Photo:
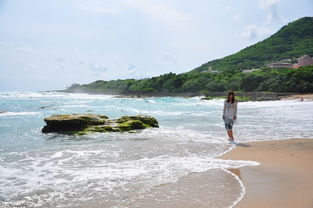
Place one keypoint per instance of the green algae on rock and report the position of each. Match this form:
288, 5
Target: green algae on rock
147, 120
89, 123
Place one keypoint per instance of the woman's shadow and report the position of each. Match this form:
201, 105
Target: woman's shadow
242, 145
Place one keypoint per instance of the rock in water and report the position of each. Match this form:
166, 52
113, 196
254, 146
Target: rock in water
73, 122
147, 120
88, 123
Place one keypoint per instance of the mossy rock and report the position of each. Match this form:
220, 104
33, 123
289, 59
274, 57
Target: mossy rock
72, 122
100, 129
81, 124
131, 125
148, 120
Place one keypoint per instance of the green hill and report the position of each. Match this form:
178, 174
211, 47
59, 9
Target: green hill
290, 42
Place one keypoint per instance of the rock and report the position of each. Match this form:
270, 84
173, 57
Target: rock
131, 125
148, 120
88, 123
73, 122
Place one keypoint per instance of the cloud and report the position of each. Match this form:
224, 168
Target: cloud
273, 15
169, 59
25, 49
132, 68
60, 59
268, 3
32, 66
228, 8
237, 17
4, 44
270, 6
62, 67
159, 11
252, 32
97, 67
96, 9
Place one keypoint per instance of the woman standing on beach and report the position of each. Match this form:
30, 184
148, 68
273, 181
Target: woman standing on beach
230, 115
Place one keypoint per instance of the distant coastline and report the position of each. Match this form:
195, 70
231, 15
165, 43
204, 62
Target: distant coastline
253, 96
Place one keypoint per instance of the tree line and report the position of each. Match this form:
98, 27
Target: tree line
265, 79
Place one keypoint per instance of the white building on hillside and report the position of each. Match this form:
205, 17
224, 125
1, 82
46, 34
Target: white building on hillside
280, 65
305, 60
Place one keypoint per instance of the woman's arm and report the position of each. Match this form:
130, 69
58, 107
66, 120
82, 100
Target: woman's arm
224, 110
235, 110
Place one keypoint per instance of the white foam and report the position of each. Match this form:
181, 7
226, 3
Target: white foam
70, 172
243, 189
77, 106
18, 113
27, 95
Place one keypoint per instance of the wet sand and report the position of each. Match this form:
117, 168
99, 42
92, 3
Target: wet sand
284, 178
214, 188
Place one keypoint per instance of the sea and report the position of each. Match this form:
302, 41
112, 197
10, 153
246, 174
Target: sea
159, 167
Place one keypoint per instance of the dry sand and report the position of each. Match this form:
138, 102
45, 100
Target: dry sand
284, 178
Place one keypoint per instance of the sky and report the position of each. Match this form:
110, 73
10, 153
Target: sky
51, 44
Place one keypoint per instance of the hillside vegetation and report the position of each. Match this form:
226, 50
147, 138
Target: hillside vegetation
290, 42
275, 80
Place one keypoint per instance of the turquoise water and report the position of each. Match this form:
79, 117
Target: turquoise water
50, 170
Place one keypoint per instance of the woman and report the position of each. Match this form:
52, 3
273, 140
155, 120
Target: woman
230, 115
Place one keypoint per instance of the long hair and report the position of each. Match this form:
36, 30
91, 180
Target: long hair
233, 99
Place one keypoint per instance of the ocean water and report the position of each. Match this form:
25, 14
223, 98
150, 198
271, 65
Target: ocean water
122, 169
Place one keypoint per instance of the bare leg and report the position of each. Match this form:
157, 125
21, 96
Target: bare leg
231, 135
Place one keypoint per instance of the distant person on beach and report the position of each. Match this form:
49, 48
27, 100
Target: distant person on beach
301, 99
230, 115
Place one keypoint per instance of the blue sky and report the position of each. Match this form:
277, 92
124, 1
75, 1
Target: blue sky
51, 44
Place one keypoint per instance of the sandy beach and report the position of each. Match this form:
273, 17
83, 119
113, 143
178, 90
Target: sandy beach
284, 178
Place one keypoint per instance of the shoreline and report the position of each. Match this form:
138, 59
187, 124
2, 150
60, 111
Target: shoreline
253, 96
284, 178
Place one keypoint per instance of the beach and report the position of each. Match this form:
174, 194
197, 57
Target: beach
175, 165
284, 178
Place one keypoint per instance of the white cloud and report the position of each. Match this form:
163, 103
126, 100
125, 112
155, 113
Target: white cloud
237, 17
63, 67
60, 59
228, 8
252, 32
32, 66
268, 3
169, 59
160, 11
4, 44
132, 68
25, 49
97, 67
96, 9
270, 6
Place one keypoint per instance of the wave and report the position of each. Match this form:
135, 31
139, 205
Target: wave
27, 95
72, 175
3, 114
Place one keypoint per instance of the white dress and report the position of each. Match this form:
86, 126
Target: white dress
229, 112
